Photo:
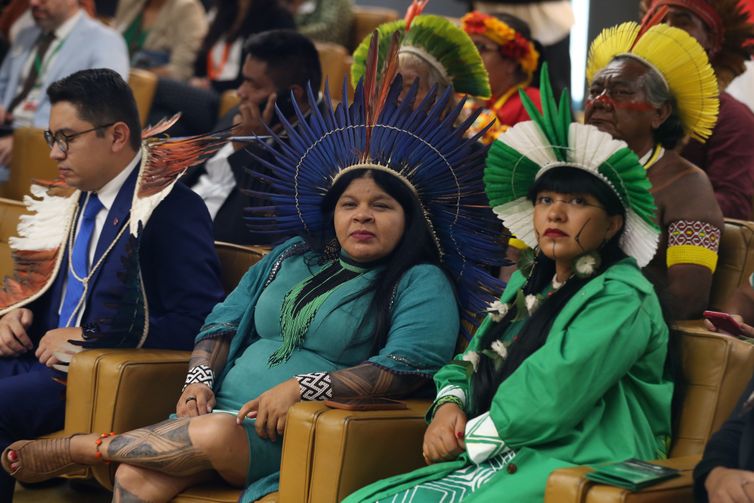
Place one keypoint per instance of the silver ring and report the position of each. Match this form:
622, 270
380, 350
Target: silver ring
190, 398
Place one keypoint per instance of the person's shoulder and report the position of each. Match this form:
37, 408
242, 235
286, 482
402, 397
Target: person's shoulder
734, 110
679, 169
93, 28
181, 205
426, 275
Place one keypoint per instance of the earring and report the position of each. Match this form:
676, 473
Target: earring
586, 265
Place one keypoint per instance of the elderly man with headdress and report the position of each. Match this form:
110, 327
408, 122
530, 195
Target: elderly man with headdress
722, 28
511, 59
650, 88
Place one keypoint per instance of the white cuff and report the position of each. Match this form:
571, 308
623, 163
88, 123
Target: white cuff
451, 390
482, 440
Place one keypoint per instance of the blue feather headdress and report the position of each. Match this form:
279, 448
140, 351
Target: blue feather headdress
422, 146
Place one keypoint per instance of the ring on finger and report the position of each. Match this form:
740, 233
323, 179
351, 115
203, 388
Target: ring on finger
190, 398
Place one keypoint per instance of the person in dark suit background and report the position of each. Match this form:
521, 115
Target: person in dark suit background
129, 270
279, 63
726, 471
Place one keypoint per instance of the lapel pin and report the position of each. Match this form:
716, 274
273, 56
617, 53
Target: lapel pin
116, 221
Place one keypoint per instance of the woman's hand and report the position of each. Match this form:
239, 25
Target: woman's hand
730, 486
443, 439
196, 400
270, 409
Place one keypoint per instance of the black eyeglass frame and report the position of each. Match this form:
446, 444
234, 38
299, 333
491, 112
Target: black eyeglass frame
62, 139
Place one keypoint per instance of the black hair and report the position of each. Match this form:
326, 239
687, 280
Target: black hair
291, 58
416, 246
100, 96
670, 133
226, 24
533, 335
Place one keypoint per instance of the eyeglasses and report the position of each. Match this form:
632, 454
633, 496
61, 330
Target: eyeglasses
62, 140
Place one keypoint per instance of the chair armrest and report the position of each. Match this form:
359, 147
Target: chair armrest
122, 389
330, 453
570, 485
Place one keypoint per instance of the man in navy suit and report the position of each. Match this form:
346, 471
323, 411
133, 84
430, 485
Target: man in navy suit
113, 287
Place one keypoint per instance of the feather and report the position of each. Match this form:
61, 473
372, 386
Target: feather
416, 8
649, 21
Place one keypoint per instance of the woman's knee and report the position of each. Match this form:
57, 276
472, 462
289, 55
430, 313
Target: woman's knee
130, 477
213, 430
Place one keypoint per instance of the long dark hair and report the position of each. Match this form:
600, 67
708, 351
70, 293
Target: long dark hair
533, 335
416, 246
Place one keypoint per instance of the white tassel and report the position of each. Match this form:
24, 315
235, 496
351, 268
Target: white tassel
473, 358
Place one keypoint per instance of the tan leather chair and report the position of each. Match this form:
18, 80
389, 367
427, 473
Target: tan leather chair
333, 59
31, 160
366, 19
122, 389
228, 100
143, 84
10, 211
716, 370
735, 263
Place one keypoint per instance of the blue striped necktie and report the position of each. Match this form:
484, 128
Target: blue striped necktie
79, 262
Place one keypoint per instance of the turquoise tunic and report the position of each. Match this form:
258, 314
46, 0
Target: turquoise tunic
423, 332
596, 391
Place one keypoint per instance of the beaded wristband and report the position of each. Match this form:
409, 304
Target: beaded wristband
446, 399
201, 374
314, 386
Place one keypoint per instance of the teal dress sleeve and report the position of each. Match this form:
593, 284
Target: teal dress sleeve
424, 326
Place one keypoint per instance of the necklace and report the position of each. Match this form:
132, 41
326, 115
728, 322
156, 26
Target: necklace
85, 280
556, 285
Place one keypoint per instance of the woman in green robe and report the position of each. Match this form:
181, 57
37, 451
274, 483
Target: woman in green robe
568, 368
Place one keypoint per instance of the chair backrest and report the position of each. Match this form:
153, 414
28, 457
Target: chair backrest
143, 84
228, 100
10, 211
333, 60
366, 19
235, 260
735, 263
716, 370
31, 160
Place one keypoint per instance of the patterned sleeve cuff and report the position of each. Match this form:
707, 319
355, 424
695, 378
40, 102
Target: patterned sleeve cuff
315, 386
201, 374
482, 440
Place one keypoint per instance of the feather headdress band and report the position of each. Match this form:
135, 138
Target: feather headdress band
529, 149
679, 60
731, 32
422, 146
436, 40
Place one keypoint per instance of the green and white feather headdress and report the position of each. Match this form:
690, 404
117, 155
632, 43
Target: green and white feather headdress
444, 46
550, 140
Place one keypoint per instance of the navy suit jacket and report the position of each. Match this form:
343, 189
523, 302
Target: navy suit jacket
179, 269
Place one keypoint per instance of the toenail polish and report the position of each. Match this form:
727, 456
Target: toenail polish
12, 455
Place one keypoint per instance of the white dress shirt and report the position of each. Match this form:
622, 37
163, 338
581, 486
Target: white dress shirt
216, 184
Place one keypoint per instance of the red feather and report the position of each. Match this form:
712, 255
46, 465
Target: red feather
416, 8
650, 20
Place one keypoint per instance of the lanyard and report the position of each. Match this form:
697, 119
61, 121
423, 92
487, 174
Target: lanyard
38, 62
214, 71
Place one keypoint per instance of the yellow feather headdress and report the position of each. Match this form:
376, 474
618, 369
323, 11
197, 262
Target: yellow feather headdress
677, 57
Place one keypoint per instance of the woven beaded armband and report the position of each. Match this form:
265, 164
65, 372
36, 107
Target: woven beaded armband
200, 374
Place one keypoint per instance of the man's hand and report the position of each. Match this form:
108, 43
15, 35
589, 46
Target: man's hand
196, 400
14, 340
6, 149
250, 120
726, 485
270, 408
443, 439
56, 341
199, 82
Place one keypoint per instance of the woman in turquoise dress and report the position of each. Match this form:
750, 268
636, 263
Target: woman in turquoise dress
569, 367
393, 248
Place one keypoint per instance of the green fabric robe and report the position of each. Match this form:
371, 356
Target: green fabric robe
595, 392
